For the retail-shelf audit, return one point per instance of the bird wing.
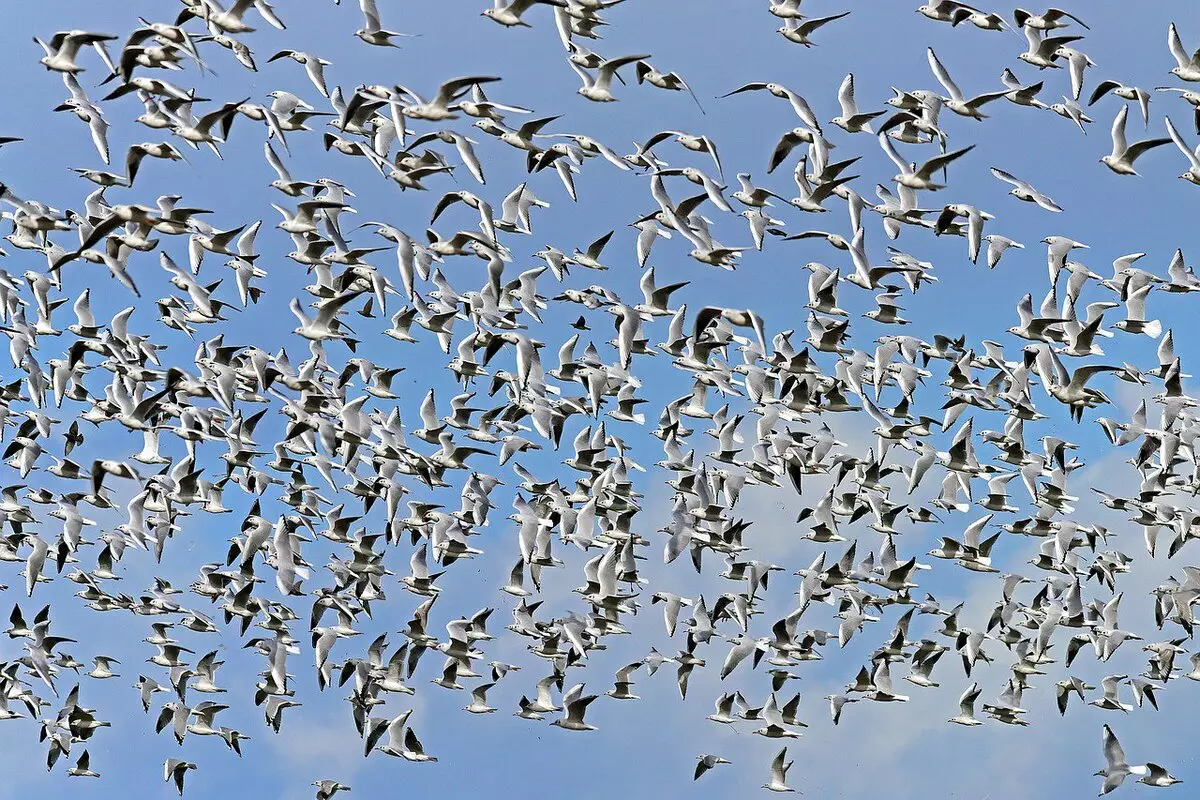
(1113, 752)
(1137, 148)
(1102, 88)
(1176, 46)
(1118, 133)
(938, 162)
(608, 68)
(846, 96)
(753, 86)
(886, 143)
(966, 703)
(276, 164)
(329, 309)
(452, 88)
(1193, 156)
(371, 13)
(939, 72)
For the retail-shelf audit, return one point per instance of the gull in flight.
(851, 119)
(958, 102)
(705, 762)
(174, 769)
(510, 15)
(1133, 94)
(64, 46)
(1023, 190)
(799, 104)
(1049, 20)
(372, 31)
(779, 770)
(599, 88)
(327, 788)
(1187, 66)
(574, 707)
(314, 66)
(1123, 154)
(671, 81)
(799, 31)
(921, 178)
(966, 707)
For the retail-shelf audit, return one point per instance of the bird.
(63, 48)
(174, 770)
(1187, 66)
(1132, 93)
(327, 788)
(705, 762)
(779, 770)
(851, 120)
(509, 14)
(921, 177)
(598, 87)
(1024, 191)
(574, 706)
(314, 66)
(966, 705)
(1123, 154)
(799, 31)
(958, 102)
(372, 31)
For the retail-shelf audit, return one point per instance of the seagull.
(966, 706)
(1131, 93)
(798, 31)
(510, 15)
(1188, 66)
(705, 762)
(324, 325)
(1111, 700)
(599, 88)
(670, 81)
(1025, 191)
(798, 103)
(958, 102)
(851, 119)
(174, 769)
(1123, 155)
(63, 48)
(372, 31)
(574, 707)
(997, 246)
(313, 65)
(327, 788)
(921, 178)
(950, 11)
(82, 768)
(1051, 19)
(1078, 61)
(779, 771)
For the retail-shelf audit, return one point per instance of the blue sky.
(646, 748)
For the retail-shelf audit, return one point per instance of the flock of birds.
(400, 504)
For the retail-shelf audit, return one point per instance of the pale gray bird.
(705, 762)
(327, 788)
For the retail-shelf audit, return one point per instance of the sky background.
(646, 748)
